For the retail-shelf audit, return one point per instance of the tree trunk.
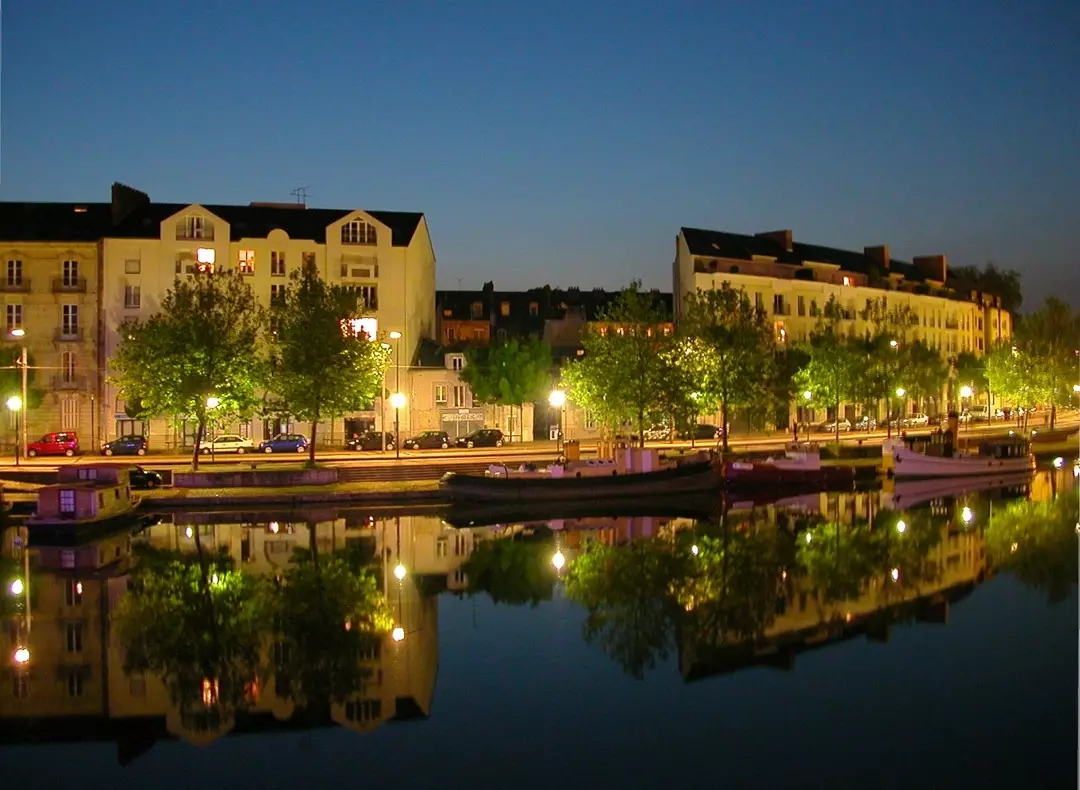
(1053, 415)
(641, 428)
(888, 418)
(836, 423)
(311, 447)
(724, 423)
(198, 444)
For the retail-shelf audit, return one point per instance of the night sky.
(566, 143)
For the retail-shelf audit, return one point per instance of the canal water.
(919, 636)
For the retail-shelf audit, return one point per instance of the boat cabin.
(86, 493)
(1011, 447)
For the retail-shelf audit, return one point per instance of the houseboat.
(800, 464)
(938, 455)
(635, 472)
(87, 496)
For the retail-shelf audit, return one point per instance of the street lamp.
(20, 333)
(15, 404)
(557, 399)
(398, 401)
(395, 336)
(966, 391)
(400, 572)
(212, 403)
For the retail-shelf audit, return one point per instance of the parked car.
(59, 443)
(657, 433)
(864, 423)
(144, 478)
(706, 431)
(284, 443)
(228, 443)
(125, 445)
(484, 437)
(830, 427)
(370, 440)
(428, 440)
(915, 421)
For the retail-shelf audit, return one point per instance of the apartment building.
(73, 272)
(50, 255)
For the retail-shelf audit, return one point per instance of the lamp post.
(557, 399)
(395, 336)
(15, 404)
(398, 401)
(212, 403)
(20, 333)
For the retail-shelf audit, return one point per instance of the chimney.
(879, 255)
(125, 200)
(933, 267)
(781, 237)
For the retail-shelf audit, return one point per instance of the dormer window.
(455, 361)
(358, 232)
(194, 227)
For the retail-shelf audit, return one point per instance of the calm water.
(921, 637)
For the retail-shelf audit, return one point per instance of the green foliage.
(203, 342)
(622, 371)
(884, 349)
(191, 619)
(318, 369)
(835, 365)
(514, 571)
(1014, 375)
(924, 372)
(839, 560)
(732, 352)
(1036, 542)
(511, 373)
(11, 377)
(970, 372)
(1050, 337)
(326, 615)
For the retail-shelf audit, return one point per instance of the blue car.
(284, 443)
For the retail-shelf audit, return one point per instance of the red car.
(60, 443)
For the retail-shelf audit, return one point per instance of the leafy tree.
(832, 374)
(925, 372)
(196, 623)
(737, 366)
(970, 371)
(515, 570)
(884, 347)
(789, 361)
(679, 396)
(839, 559)
(1003, 283)
(1051, 337)
(326, 615)
(620, 374)
(511, 373)
(1014, 374)
(320, 368)
(11, 376)
(203, 343)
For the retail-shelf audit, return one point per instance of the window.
(67, 366)
(132, 267)
(69, 414)
(277, 264)
(813, 307)
(194, 227)
(14, 317)
(589, 420)
(534, 308)
(132, 297)
(450, 334)
(847, 280)
(441, 546)
(74, 634)
(363, 710)
(277, 294)
(759, 303)
(477, 310)
(500, 335)
(67, 501)
(71, 274)
(74, 593)
(801, 305)
(69, 323)
(456, 361)
(367, 297)
(358, 232)
(75, 684)
(778, 304)
(440, 394)
(307, 259)
(504, 309)
(460, 396)
(246, 261)
(14, 273)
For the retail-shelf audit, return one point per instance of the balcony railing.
(69, 382)
(20, 286)
(69, 285)
(65, 334)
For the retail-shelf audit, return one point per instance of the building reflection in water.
(760, 609)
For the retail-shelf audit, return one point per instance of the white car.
(229, 443)
(917, 421)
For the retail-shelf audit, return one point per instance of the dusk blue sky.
(566, 143)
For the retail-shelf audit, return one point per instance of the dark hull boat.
(687, 478)
(800, 465)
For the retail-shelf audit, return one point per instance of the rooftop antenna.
(301, 195)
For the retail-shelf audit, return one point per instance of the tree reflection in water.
(516, 570)
(1037, 543)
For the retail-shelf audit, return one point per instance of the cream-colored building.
(385, 257)
(793, 281)
(49, 287)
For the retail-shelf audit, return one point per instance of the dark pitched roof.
(32, 222)
(53, 221)
(719, 244)
(552, 303)
(258, 221)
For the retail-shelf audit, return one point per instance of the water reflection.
(213, 623)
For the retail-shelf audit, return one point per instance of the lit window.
(132, 297)
(246, 261)
(847, 280)
(504, 309)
